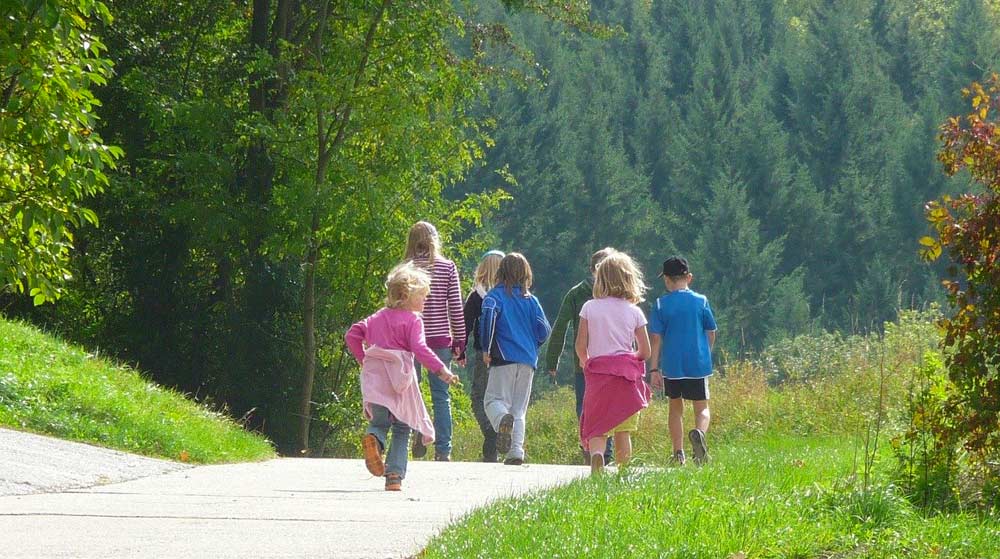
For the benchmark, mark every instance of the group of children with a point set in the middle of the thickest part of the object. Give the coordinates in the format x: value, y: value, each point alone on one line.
x: 425, y: 320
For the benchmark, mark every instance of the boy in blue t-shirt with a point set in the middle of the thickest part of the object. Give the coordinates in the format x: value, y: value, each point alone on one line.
x: 682, y: 329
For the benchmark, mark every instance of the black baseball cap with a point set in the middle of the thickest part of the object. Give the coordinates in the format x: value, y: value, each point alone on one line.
x: 674, y: 266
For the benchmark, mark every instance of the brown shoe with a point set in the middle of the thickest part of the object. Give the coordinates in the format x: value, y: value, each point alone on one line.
x: 373, y: 454
x: 504, y: 433
x: 596, y: 464
x: 393, y: 482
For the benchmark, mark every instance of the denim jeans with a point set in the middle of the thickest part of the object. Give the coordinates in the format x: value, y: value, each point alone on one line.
x: 380, y: 425
x: 441, y: 406
x: 480, y: 376
x: 579, y: 387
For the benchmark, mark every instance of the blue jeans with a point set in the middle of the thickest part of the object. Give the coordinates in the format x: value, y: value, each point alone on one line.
x: 579, y: 386
x: 441, y: 406
x: 379, y: 425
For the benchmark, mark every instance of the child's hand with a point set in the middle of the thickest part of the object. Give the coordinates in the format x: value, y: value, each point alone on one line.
x: 448, y: 377
x: 656, y: 379
x: 486, y: 359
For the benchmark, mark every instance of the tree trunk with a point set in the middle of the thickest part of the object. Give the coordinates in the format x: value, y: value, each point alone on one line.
x: 326, y: 146
x: 309, y: 340
x: 309, y: 309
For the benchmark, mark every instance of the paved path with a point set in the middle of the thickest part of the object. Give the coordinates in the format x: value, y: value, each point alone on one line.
x: 290, y: 508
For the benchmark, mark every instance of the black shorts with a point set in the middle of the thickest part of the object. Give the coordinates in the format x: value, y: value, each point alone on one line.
x: 687, y: 388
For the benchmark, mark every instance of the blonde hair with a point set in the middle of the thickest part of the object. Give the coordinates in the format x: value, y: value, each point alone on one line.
x: 423, y: 240
x: 619, y: 276
x: 514, y: 270
x: 405, y: 281
x: 486, y: 271
x: 598, y: 256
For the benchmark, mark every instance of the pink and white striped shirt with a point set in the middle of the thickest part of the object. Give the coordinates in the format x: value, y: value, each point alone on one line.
x: 444, y: 323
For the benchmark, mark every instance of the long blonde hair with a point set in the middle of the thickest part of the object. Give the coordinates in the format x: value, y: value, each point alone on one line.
x: 486, y: 271
x: 619, y: 276
x: 514, y: 271
x: 405, y: 281
x: 423, y: 240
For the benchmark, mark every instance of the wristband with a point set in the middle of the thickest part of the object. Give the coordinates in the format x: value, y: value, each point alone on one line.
x: 655, y: 370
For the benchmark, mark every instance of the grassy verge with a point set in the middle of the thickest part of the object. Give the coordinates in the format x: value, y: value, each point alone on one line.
x: 769, y: 497
x: 788, y: 476
x: 47, y: 386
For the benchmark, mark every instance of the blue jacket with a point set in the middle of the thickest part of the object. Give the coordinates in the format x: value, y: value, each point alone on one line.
x: 512, y: 326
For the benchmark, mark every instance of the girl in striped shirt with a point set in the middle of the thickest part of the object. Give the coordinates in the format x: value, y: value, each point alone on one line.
x: 444, y: 327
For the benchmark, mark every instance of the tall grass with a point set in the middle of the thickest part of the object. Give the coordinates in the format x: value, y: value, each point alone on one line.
x: 47, y: 386
x: 810, y: 385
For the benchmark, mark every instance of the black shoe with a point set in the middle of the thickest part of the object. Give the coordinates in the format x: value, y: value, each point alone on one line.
x: 678, y: 459
x: 442, y: 457
x: 419, y: 448
x: 504, y: 432
x: 490, y: 449
x: 513, y: 461
x: 698, y: 446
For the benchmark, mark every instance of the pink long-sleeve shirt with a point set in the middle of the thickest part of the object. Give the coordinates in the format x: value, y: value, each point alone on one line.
x: 388, y: 379
x: 392, y: 329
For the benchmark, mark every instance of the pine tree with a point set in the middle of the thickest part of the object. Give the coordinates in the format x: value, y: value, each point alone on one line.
x: 733, y: 267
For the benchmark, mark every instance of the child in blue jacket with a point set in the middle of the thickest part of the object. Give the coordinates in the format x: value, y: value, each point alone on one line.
x: 512, y: 327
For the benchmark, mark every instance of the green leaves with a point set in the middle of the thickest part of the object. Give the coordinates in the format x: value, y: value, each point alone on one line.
x: 966, y: 228
x: 52, y: 158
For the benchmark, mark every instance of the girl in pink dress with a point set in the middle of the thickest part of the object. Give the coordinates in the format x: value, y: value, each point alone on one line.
x: 612, y: 344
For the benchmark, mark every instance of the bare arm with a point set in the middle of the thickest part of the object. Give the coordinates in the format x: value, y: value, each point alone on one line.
x: 582, y: 339
x: 655, y: 376
x: 711, y: 339
x: 642, y: 341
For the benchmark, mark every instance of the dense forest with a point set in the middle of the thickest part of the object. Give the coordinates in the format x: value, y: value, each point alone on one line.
x: 786, y: 148
x: 273, y: 155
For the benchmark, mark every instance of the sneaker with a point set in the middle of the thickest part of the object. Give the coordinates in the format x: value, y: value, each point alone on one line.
x: 442, y: 457
x: 419, y: 448
x: 698, y: 446
x: 504, y: 432
x: 596, y: 464
x: 678, y: 458
x: 513, y: 461
x: 372, y: 451
x: 393, y: 482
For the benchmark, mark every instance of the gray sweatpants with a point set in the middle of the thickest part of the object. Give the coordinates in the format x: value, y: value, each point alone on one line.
x: 507, y: 391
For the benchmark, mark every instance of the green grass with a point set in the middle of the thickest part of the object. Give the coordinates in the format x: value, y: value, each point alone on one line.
x: 769, y: 497
x: 50, y: 387
x: 786, y: 480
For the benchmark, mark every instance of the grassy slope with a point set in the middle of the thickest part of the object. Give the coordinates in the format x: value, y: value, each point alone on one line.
x: 50, y: 387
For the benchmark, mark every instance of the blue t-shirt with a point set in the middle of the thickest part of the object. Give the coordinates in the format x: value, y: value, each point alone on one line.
x: 682, y: 319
